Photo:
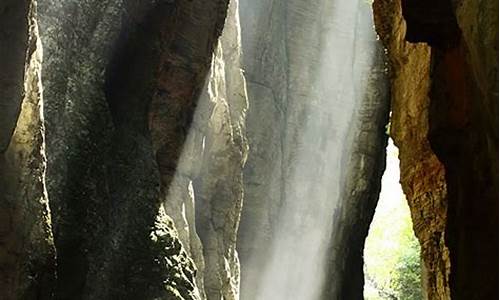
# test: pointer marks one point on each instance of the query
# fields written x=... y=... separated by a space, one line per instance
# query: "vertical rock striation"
x=27 y=255
x=445 y=122
x=266 y=71
x=363 y=164
x=111 y=67
x=219 y=186
x=205 y=197
x=422 y=174
x=286 y=45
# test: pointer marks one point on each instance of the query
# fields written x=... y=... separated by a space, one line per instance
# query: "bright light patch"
x=392 y=253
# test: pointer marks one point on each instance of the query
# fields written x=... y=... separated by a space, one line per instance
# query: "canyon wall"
x=107 y=85
x=206 y=195
x=265 y=65
x=363 y=166
x=444 y=85
x=133 y=129
x=283 y=47
x=105 y=63
x=27 y=254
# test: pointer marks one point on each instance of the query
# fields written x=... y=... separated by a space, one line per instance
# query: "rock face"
x=122 y=80
x=282 y=50
x=27 y=256
x=206 y=195
x=106 y=62
x=445 y=123
x=15 y=34
x=363 y=165
x=219 y=187
x=265 y=65
x=422 y=174
x=132 y=129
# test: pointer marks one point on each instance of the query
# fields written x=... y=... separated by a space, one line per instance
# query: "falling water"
x=295 y=266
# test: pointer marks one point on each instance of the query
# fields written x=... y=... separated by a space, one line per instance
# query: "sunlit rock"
x=318 y=109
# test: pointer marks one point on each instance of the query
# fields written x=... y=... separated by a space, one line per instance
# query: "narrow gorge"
x=234 y=149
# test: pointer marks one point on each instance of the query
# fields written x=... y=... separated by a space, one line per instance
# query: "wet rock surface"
x=206 y=194
x=282 y=50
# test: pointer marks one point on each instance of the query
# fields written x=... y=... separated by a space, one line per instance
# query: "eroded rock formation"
x=106 y=61
x=27 y=254
x=133 y=130
x=363 y=167
x=284 y=45
x=206 y=195
x=444 y=67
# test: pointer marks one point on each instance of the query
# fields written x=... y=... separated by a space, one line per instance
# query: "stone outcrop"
x=283 y=44
x=422 y=174
x=133 y=130
x=206 y=194
x=27 y=254
x=444 y=70
x=363 y=165
x=265 y=64
x=106 y=62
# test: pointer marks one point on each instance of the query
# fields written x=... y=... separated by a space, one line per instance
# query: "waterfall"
x=326 y=78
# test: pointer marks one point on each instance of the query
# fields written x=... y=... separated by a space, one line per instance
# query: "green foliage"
x=392 y=252
x=392 y=256
x=406 y=277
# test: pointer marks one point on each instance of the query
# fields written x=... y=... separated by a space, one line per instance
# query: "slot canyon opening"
x=392 y=264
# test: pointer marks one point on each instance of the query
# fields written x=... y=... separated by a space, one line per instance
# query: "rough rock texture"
x=110 y=66
x=422 y=174
x=264 y=60
x=282 y=47
x=363 y=166
x=445 y=123
x=206 y=194
x=27 y=256
x=463 y=119
x=219 y=187
x=14 y=33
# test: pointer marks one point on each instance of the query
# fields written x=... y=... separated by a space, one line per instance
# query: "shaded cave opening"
x=392 y=263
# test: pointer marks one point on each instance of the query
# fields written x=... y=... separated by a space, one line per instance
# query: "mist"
x=330 y=54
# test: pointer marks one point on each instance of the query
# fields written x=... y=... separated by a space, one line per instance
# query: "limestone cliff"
x=265 y=65
x=444 y=70
x=106 y=62
x=27 y=254
x=206 y=194
x=363 y=165
x=133 y=130
x=284 y=45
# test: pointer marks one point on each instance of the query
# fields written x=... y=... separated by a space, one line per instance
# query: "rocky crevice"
x=142 y=129
x=106 y=61
x=444 y=112
x=206 y=194
x=363 y=166
x=27 y=253
x=282 y=49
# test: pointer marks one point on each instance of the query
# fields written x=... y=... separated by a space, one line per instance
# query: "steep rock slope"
x=122 y=80
x=283 y=44
x=265 y=64
x=445 y=123
x=422 y=174
x=27 y=256
x=363 y=166
x=106 y=62
x=206 y=194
